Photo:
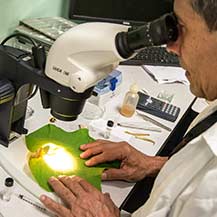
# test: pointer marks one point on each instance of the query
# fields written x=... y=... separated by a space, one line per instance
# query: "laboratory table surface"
x=14 y=156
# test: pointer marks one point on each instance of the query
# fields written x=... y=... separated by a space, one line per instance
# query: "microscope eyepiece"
x=163 y=30
x=154 y=33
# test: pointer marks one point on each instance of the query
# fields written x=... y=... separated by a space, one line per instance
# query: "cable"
x=33 y=93
x=21 y=35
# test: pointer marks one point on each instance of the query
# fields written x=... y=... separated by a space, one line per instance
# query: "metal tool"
x=151 y=120
x=140 y=126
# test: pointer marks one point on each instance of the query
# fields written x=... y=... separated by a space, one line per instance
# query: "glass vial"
x=130 y=101
x=108 y=130
x=6 y=194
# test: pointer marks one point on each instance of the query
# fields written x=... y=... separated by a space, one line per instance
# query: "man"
x=186 y=185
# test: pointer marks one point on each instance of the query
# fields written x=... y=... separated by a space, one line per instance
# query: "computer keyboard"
x=153 y=56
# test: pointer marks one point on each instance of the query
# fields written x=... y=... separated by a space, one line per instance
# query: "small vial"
x=109 y=126
x=130 y=101
x=6 y=194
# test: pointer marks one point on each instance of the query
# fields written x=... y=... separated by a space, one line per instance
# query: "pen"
x=145 y=117
x=138 y=126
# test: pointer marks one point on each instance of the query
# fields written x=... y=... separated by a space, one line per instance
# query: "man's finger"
x=110 y=204
x=101 y=158
x=93 y=144
x=113 y=174
x=108 y=200
x=73 y=184
x=87 y=186
x=106 y=156
x=91 y=152
x=91 y=189
x=62 y=191
x=55 y=207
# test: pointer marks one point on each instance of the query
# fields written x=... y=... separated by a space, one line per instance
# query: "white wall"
x=11 y=11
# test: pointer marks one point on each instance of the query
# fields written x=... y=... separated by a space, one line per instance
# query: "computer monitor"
x=119 y=11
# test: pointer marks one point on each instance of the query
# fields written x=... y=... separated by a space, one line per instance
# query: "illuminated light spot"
x=57 y=158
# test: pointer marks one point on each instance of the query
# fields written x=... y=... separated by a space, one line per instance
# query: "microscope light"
x=57 y=158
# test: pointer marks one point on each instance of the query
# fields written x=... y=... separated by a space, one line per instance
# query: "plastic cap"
x=9 y=182
x=134 y=88
x=110 y=123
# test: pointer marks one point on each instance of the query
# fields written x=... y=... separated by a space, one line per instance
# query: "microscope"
x=77 y=60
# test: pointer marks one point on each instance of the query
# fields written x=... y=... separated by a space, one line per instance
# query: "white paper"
x=166 y=74
x=98 y=127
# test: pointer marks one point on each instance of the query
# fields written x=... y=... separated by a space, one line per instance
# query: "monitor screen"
x=119 y=11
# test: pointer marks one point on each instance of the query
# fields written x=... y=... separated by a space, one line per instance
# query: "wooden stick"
x=137 y=134
x=145 y=139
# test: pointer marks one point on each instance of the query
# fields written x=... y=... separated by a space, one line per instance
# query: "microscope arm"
x=17 y=66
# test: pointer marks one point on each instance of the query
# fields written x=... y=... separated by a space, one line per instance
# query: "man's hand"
x=134 y=164
x=81 y=199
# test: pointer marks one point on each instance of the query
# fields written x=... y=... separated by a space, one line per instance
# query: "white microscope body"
x=88 y=52
x=84 y=55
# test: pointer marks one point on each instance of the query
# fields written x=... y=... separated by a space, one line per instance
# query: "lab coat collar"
x=209 y=136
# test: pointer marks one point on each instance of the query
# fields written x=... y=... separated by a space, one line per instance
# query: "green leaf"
x=70 y=141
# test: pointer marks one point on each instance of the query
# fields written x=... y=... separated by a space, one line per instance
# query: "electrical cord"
x=19 y=35
x=33 y=93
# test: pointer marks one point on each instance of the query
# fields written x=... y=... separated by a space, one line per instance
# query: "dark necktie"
x=198 y=129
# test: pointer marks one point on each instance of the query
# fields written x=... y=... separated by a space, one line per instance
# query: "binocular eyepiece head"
x=155 y=33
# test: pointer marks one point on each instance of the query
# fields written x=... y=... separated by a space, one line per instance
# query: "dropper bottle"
x=6 y=194
x=109 y=126
x=130 y=101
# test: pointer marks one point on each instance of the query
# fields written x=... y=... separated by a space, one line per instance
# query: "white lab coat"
x=187 y=184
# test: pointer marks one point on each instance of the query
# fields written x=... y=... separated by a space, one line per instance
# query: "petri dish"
x=92 y=111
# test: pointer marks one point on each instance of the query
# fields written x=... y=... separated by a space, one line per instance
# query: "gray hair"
x=207 y=9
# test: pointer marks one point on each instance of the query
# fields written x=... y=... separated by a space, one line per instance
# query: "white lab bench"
x=15 y=154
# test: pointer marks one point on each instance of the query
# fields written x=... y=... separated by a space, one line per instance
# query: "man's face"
x=197 y=50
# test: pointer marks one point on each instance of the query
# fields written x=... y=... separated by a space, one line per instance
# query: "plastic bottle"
x=108 y=130
x=130 y=101
x=6 y=194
